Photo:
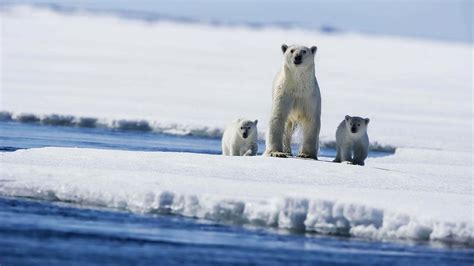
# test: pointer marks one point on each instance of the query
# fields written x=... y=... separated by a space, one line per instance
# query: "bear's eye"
x=358 y=125
x=241 y=127
x=351 y=124
x=304 y=52
x=292 y=51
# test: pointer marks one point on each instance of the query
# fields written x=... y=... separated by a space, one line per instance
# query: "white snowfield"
x=403 y=196
x=190 y=78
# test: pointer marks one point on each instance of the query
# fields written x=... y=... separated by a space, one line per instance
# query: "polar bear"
x=296 y=101
x=352 y=138
x=240 y=138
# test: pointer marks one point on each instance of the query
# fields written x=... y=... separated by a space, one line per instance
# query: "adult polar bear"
x=296 y=101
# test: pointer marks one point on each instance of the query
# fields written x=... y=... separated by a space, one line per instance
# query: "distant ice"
x=420 y=18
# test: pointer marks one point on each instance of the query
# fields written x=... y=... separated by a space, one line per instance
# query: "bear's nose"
x=298 y=57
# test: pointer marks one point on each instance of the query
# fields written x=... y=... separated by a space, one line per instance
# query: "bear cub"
x=352 y=141
x=240 y=138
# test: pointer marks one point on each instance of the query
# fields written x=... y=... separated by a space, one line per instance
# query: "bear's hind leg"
x=248 y=153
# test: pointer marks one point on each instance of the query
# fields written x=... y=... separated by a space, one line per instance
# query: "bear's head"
x=248 y=128
x=298 y=55
x=356 y=125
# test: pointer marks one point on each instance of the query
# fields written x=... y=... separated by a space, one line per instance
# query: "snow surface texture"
x=379 y=201
x=195 y=79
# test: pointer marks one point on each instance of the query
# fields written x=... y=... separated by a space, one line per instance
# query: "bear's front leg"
x=346 y=152
x=276 y=128
x=360 y=154
x=310 y=146
x=338 y=153
x=235 y=150
x=289 y=129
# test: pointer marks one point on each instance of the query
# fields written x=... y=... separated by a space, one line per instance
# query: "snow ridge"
x=119 y=124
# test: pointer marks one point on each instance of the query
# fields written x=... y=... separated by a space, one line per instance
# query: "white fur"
x=296 y=102
x=233 y=142
x=348 y=143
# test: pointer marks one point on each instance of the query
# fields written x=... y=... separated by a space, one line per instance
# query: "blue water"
x=45 y=233
x=15 y=135
x=56 y=233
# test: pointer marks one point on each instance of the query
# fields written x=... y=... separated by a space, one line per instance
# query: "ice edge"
x=299 y=214
x=142 y=125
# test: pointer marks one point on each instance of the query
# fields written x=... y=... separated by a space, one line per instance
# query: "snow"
x=195 y=79
x=394 y=197
x=102 y=71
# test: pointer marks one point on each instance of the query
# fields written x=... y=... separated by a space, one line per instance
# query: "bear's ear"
x=367 y=120
x=255 y=122
x=313 y=49
x=284 y=47
x=348 y=117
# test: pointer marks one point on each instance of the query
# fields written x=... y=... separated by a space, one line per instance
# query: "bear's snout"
x=245 y=135
x=353 y=129
x=298 y=59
